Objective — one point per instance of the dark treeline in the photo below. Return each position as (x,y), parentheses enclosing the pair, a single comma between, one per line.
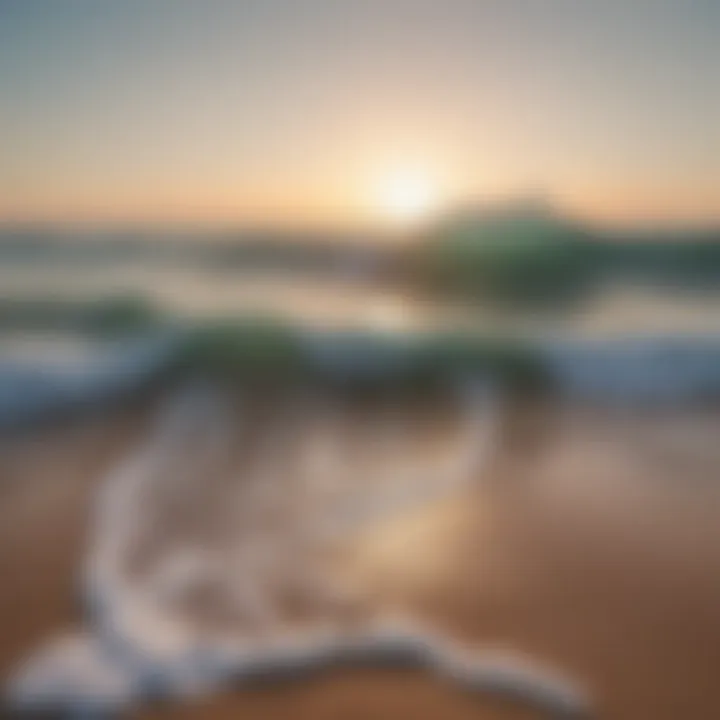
(690,261)
(518,251)
(209,249)
(526,252)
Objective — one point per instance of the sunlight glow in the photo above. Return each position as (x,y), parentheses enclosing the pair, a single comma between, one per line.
(407,196)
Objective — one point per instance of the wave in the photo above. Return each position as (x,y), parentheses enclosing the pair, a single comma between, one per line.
(636,371)
(31,391)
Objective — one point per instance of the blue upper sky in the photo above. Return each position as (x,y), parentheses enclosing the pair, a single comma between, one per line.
(293,110)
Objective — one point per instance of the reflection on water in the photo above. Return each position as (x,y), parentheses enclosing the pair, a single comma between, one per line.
(58,350)
(332,300)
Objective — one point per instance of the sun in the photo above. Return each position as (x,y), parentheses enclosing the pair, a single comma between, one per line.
(407,196)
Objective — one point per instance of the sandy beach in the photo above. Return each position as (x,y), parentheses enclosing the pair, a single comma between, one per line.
(591,543)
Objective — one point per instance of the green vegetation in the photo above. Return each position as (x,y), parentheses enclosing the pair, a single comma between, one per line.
(512,363)
(514,255)
(525,254)
(267,350)
(259,348)
(110,316)
(678,263)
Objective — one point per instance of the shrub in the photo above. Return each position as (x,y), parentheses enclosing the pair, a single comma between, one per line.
(118,316)
(515,255)
(106,316)
(255,347)
(509,362)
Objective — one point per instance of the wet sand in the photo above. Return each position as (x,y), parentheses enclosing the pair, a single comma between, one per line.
(46,481)
(592,543)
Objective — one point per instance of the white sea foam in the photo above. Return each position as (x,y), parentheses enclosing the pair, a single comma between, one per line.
(141,640)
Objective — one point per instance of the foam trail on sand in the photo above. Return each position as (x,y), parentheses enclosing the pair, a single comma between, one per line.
(247,543)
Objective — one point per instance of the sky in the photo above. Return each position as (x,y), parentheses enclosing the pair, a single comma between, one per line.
(304,111)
